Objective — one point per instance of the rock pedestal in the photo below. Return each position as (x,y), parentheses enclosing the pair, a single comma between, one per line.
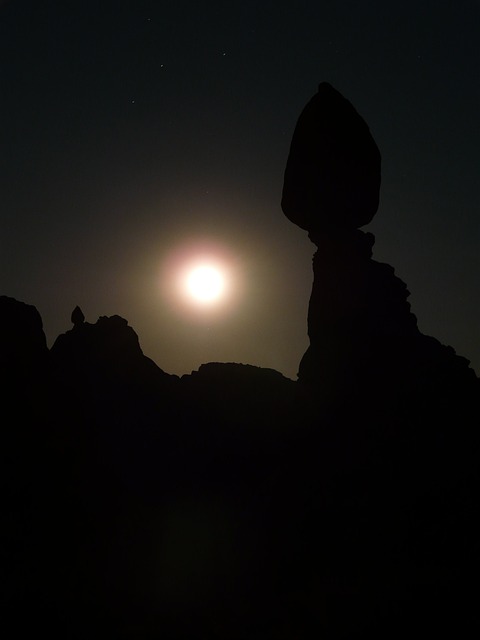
(358,310)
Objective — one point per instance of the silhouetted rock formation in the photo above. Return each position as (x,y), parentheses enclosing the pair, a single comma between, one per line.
(233,502)
(400,408)
(362,333)
(24,379)
(25,464)
(77,316)
(22,341)
(234,499)
(108,350)
(332,177)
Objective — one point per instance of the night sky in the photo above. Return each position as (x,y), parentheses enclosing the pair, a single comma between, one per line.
(135,132)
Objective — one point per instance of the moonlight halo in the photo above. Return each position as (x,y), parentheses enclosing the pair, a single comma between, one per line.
(205,283)
(201,277)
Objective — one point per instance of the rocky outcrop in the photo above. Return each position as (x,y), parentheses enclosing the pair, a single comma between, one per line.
(26,465)
(195,507)
(77,316)
(363,335)
(253,404)
(23,346)
(105,352)
(24,384)
(396,441)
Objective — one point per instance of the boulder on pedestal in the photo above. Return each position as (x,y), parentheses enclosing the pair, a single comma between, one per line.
(362,333)
(332,177)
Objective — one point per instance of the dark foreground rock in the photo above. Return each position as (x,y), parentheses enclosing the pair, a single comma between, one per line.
(234,502)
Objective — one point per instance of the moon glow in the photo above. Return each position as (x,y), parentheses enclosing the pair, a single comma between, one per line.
(205,283)
(202,280)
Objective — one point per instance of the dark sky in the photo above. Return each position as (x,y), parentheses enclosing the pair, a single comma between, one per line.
(132,129)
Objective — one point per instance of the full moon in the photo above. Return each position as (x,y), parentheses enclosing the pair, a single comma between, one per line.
(202,280)
(205,283)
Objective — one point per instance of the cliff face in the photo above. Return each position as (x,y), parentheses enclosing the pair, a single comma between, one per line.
(233,502)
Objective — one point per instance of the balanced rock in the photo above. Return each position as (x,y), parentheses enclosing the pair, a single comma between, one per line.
(77,316)
(362,333)
(332,177)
